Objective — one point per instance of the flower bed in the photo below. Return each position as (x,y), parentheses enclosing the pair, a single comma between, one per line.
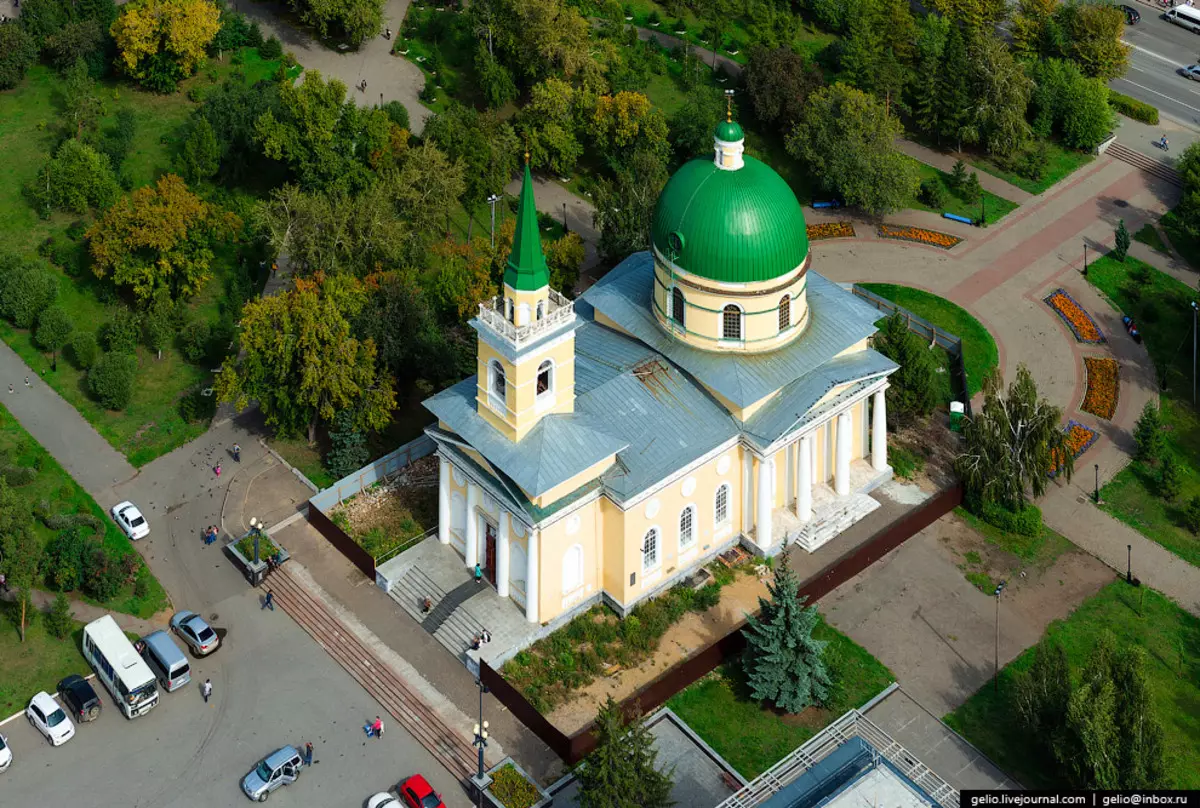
(1103,387)
(266,547)
(1079,440)
(512,789)
(825,230)
(1077,319)
(920,235)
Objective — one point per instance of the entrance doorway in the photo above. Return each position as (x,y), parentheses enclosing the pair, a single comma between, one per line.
(489,563)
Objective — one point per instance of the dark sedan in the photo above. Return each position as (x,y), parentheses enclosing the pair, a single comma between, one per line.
(79,698)
(1132,17)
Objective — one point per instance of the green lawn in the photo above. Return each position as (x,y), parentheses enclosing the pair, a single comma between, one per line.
(1141,617)
(1063,162)
(56,487)
(36,664)
(151,426)
(753,737)
(1183,241)
(980,354)
(1031,552)
(1162,308)
(1149,235)
(996,207)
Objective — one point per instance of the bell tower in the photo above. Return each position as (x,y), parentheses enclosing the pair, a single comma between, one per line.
(526,355)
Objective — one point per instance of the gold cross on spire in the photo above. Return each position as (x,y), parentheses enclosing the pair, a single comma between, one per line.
(729,106)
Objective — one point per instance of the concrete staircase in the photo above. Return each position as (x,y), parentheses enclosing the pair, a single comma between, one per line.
(1153,167)
(446,621)
(832,517)
(376,677)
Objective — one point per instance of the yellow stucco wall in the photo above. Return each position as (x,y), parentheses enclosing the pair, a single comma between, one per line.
(562,489)
(524,304)
(523,409)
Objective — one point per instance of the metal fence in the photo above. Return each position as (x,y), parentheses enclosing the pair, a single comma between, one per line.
(951,344)
(354,484)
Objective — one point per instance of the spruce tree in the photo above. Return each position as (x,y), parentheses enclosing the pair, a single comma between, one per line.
(912,392)
(621,772)
(1148,435)
(925,106)
(1170,481)
(958,176)
(1123,242)
(954,91)
(783,662)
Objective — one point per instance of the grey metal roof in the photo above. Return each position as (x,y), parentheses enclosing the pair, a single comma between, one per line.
(793,406)
(558,448)
(837,321)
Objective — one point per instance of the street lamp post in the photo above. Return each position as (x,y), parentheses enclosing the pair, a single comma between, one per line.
(565,228)
(1097,483)
(256,529)
(1085,259)
(481,780)
(1194,309)
(996,675)
(1129,563)
(492,200)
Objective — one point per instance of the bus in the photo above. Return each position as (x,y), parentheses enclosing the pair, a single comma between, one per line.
(126,675)
(1186,17)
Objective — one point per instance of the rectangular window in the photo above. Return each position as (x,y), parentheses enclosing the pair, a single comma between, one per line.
(687,533)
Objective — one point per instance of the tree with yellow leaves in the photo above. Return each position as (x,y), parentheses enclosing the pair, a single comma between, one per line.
(159,237)
(628,122)
(161,42)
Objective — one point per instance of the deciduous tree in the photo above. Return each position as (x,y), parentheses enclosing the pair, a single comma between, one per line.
(1035,29)
(780,81)
(622,771)
(784,663)
(111,379)
(426,188)
(85,39)
(355,20)
(627,122)
(18,50)
(300,362)
(1093,34)
(82,106)
(487,146)
(846,139)
(54,329)
(625,205)
(22,548)
(911,391)
(75,179)
(1001,97)
(550,125)
(162,42)
(160,236)
(691,127)
(199,155)
(495,82)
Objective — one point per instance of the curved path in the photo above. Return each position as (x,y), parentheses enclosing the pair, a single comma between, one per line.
(1002,275)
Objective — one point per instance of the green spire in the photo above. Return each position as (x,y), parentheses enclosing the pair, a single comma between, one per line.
(526,265)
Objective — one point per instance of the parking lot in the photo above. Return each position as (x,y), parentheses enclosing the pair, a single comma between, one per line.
(272,685)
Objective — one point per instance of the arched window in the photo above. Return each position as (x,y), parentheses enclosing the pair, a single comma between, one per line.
(508,309)
(545,378)
(541,309)
(572,573)
(687,527)
(721,506)
(731,322)
(677,306)
(785,313)
(650,550)
(497,385)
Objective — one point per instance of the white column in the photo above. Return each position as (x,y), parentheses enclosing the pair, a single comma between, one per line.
(444,501)
(804,496)
(841,474)
(502,556)
(789,491)
(766,469)
(879,433)
(747,492)
(472,551)
(531,578)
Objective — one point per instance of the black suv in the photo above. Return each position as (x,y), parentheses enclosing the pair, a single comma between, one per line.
(79,698)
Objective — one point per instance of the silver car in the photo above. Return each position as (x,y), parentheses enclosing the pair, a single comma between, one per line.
(192,629)
(280,768)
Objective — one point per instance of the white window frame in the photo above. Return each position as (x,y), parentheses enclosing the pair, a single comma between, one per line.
(718,521)
(541,310)
(689,511)
(545,398)
(657,533)
(576,568)
(741,323)
(498,401)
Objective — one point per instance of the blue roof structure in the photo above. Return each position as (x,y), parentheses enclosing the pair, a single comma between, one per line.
(838,320)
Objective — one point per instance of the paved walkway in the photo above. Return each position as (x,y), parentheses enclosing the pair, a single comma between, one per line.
(86,613)
(1141,137)
(551,196)
(945,162)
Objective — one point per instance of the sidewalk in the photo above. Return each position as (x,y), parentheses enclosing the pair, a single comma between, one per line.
(945,162)
(86,613)
(1141,137)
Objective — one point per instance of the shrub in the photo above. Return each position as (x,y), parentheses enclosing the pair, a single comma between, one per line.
(122,333)
(1026,522)
(1191,516)
(195,406)
(83,349)
(65,558)
(271,49)
(1133,108)
(26,288)
(103,574)
(194,340)
(428,93)
(513,790)
(397,113)
(932,193)
(77,178)
(706,597)
(17,476)
(111,380)
(652,19)
(58,619)
(141,584)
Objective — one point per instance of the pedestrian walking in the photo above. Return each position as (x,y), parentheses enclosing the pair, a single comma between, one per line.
(389,33)
(274,268)
(478,573)
(308,753)
(217,469)
(485,637)
(10,388)
(377,728)
(269,600)
(237,453)
(27,384)
(426,605)
(207,689)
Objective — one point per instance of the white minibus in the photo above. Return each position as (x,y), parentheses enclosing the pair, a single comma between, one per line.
(1185,16)
(126,675)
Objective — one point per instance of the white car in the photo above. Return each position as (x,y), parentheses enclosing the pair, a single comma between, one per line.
(130,520)
(5,754)
(383,800)
(49,719)
(1192,72)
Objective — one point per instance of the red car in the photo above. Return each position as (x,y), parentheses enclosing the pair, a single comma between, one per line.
(417,793)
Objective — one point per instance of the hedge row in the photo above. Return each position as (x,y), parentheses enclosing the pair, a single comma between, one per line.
(1131,107)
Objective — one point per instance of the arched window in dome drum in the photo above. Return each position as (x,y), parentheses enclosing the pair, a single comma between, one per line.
(545,378)
(785,313)
(677,306)
(731,322)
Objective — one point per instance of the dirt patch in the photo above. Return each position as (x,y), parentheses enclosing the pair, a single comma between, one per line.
(398,509)
(694,632)
(936,445)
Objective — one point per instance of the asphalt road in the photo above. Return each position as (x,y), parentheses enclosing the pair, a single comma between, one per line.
(1160,49)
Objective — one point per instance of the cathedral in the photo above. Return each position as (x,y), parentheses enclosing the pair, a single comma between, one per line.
(712,391)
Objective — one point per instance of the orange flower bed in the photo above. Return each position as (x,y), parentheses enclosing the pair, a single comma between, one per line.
(1075,316)
(817,232)
(1103,387)
(1079,440)
(919,235)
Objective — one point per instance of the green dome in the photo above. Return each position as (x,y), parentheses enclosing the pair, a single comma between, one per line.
(729,132)
(737,226)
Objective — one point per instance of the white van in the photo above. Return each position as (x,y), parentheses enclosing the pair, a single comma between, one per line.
(1185,16)
(126,675)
